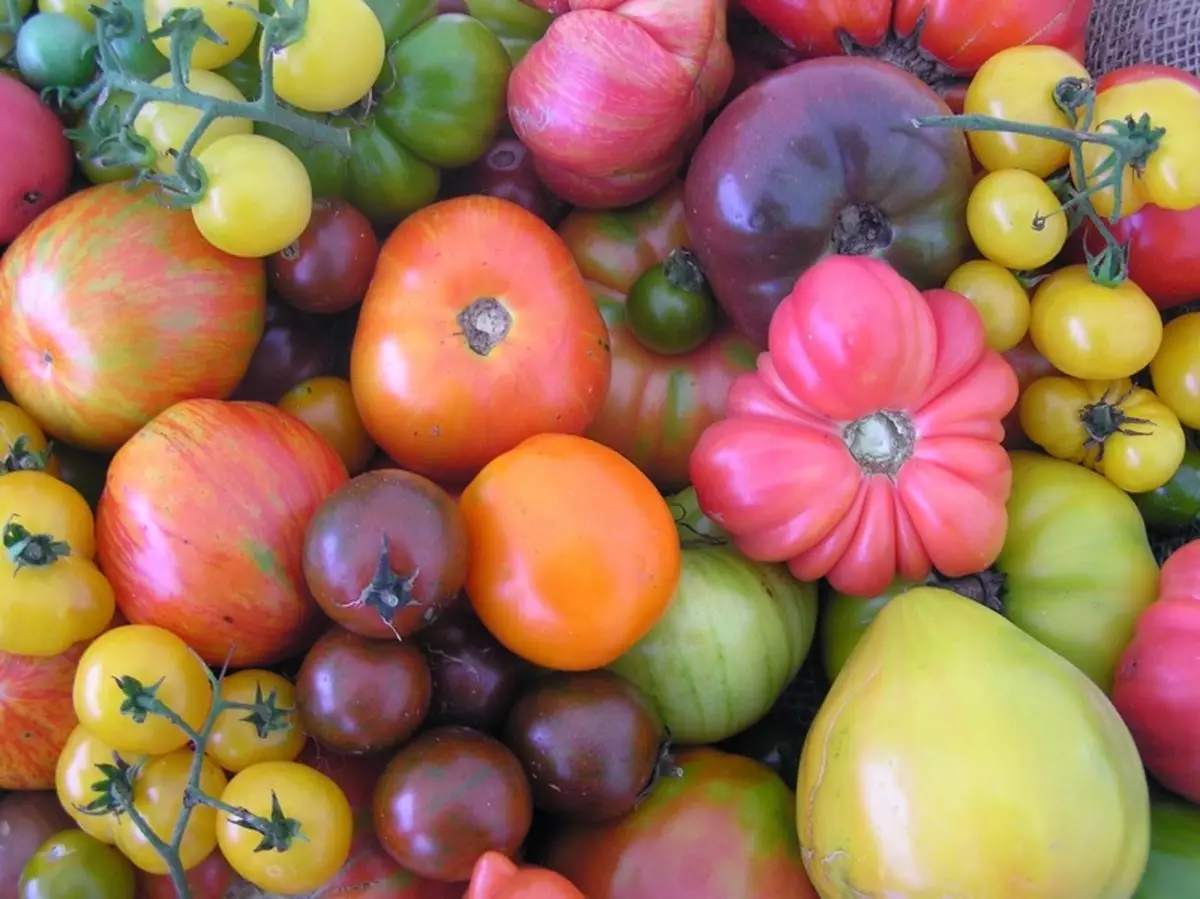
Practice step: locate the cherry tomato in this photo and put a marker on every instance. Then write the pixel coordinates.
(234, 743)
(326, 405)
(1087, 330)
(1002, 302)
(76, 9)
(1164, 259)
(76, 775)
(149, 654)
(1012, 219)
(259, 196)
(166, 126)
(328, 267)
(72, 864)
(158, 797)
(670, 307)
(54, 50)
(235, 25)
(1175, 368)
(208, 880)
(23, 442)
(303, 794)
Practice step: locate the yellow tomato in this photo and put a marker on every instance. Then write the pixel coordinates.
(75, 777)
(1123, 432)
(46, 607)
(234, 743)
(235, 26)
(166, 126)
(1018, 84)
(43, 504)
(1087, 330)
(23, 442)
(1012, 219)
(1002, 302)
(1175, 368)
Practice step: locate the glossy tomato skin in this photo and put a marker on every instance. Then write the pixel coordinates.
(179, 319)
(426, 548)
(1176, 504)
(725, 827)
(496, 876)
(450, 360)
(36, 716)
(72, 863)
(35, 159)
(328, 268)
(506, 171)
(208, 880)
(1163, 259)
(236, 590)
(234, 742)
(1028, 365)
(657, 405)
(326, 404)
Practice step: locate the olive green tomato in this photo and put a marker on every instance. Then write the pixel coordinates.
(516, 23)
(1173, 870)
(72, 863)
(845, 619)
(670, 308)
(439, 103)
(1176, 504)
(54, 50)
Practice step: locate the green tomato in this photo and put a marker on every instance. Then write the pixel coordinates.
(670, 308)
(1176, 504)
(1173, 870)
(109, 108)
(517, 24)
(845, 619)
(54, 50)
(72, 863)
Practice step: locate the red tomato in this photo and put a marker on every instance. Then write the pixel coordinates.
(1157, 683)
(496, 876)
(201, 527)
(115, 308)
(209, 880)
(327, 269)
(36, 716)
(35, 158)
(1164, 256)
(867, 444)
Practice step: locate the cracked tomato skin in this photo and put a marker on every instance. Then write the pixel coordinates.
(867, 444)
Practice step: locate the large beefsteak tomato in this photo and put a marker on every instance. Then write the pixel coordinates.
(821, 158)
(201, 527)
(113, 307)
(867, 444)
(36, 716)
(657, 405)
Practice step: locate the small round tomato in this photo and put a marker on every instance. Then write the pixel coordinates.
(1175, 368)
(326, 825)
(1018, 84)
(235, 743)
(158, 793)
(72, 863)
(35, 158)
(1176, 504)
(670, 307)
(23, 442)
(76, 9)
(326, 404)
(259, 196)
(1002, 302)
(235, 25)
(54, 50)
(151, 655)
(1091, 331)
(75, 776)
(573, 554)
(1013, 219)
(315, 72)
(43, 504)
(166, 126)
(328, 267)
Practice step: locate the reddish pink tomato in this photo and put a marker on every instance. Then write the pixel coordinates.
(35, 158)
(1164, 255)
(497, 876)
(867, 444)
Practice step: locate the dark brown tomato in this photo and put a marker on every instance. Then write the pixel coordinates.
(328, 267)
(590, 743)
(475, 678)
(386, 553)
(27, 819)
(293, 348)
(360, 695)
(449, 796)
(506, 171)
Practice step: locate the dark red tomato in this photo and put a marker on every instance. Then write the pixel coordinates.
(1029, 365)
(35, 158)
(725, 827)
(449, 796)
(1164, 256)
(506, 171)
(327, 269)
(386, 554)
(294, 347)
(208, 880)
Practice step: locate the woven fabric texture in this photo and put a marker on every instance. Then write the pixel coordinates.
(1127, 32)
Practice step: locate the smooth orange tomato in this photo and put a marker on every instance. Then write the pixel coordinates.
(326, 404)
(573, 552)
(1175, 369)
(1002, 302)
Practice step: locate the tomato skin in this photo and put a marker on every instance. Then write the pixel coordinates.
(1163, 259)
(507, 171)
(72, 863)
(35, 159)
(449, 360)
(1004, 213)
(75, 776)
(1175, 368)
(234, 743)
(518, 25)
(235, 26)
(36, 716)
(496, 876)
(166, 126)
(53, 50)
(328, 267)
(326, 405)
(46, 505)
(1176, 504)
(294, 347)
(208, 880)
(1001, 300)
(573, 553)
(236, 592)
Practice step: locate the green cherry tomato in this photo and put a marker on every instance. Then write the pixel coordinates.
(1176, 504)
(54, 50)
(106, 111)
(670, 308)
(72, 863)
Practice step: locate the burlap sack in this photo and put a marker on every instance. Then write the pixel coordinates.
(1126, 32)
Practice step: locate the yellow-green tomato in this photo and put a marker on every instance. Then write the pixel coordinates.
(166, 126)
(230, 20)
(1013, 219)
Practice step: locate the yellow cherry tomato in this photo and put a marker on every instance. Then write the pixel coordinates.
(1018, 84)
(259, 196)
(1012, 219)
(234, 743)
(50, 599)
(326, 404)
(76, 775)
(235, 25)
(308, 797)
(23, 442)
(1087, 330)
(166, 126)
(1175, 369)
(1123, 432)
(1002, 302)
(151, 655)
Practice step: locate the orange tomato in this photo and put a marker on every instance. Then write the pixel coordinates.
(477, 332)
(326, 404)
(573, 553)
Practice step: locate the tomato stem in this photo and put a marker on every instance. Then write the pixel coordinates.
(388, 592)
(22, 458)
(12, 21)
(985, 587)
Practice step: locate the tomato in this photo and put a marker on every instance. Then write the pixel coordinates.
(573, 553)
(150, 655)
(234, 742)
(450, 359)
(1176, 504)
(1012, 217)
(847, 454)
(166, 126)
(507, 171)
(326, 405)
(235, 25)
(845, 619)
(328, 268)
(35, 158)
(54, 50)
(76, 9)
(1000, 299)
(210, 879)
(1163, 260)
(1090, 331)
(495, 876)
(28, 449)
(1170, 177)
(670, 308)
(517, 24)
(306, 796)
(1175, 368)
(76, 777)
(1157, 684)
(43, 504)
(72, 863)
(36, 716)
(1174, 848)
(294, 347)
(27, 819)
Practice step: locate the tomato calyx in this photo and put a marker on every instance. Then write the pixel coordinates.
(114, 790)
(1104, 418)
(21, 457)
(860, 230)
(881, 442)
(485, 324)
(388, 592)
(905, 52)
(26, 550)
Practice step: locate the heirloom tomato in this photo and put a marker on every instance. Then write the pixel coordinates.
(327, 269)
(867, 443)
(294, 347)
(35, 156)
(233, 23)
(1164, 259)
(1174, 848)
(518, 24)
(1000, 299)
(71, 863)
(759, 213)
(166, 126)
(507, 171)
(326, 405)
(27, 819)
(1176, 504)
(76, 779)
(496, 876)
(1175, 368)
(422, 116)
(25, 442)
(657, 405)
(1013, 219)
(458, 357)
(1157, 684)
(235, 742)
